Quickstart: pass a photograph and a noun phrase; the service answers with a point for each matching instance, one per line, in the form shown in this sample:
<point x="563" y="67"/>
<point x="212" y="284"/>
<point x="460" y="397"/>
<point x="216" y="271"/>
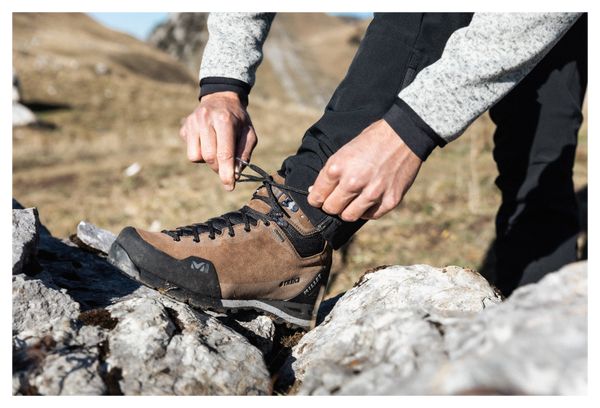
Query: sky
<point x="140" y="25"/>
<point x="137" y="24"/>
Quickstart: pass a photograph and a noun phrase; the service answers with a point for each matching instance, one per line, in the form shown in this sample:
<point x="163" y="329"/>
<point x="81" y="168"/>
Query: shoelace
<point x="245" y="215"/>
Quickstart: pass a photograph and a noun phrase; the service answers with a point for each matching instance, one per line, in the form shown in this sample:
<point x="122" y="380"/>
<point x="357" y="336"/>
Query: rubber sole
<point x="292" y="314"/>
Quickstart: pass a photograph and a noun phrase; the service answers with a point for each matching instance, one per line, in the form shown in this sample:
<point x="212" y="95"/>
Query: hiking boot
<point x="267" y="256"/>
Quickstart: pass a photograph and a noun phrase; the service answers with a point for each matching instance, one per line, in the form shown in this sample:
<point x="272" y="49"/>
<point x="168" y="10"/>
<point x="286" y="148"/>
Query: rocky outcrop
<point x="387" y="328"/>
<point x="80" y="327"/>
<point x="182" y="36"/>
<point x="533" y="343"/>
<point x="423" y="330"/>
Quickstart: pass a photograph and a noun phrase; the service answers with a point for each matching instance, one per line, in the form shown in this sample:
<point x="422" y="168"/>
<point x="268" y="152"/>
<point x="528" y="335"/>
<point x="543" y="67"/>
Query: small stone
<point x="22" y="115"/>
<point x="132" y="170"/>
<point x="101" y="69"/>
<point x="95" y="237"/>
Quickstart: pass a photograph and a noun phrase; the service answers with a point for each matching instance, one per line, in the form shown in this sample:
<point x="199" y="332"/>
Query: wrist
<point x="412" y="130"/>
<point x="212" y="85"/>
<point x="229" y="95"/>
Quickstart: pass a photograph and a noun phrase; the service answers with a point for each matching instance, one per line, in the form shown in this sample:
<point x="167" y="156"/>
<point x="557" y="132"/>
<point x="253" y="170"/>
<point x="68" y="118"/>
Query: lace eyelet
<point x="231" y="235"/>
<point x="196" y="240"/>
<point x="247" y="229"/>
<point x="267" y="223"/>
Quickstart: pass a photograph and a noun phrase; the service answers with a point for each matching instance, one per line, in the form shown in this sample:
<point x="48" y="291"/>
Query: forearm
<point x="480" y="64"/>
<point x="233" y="52"/>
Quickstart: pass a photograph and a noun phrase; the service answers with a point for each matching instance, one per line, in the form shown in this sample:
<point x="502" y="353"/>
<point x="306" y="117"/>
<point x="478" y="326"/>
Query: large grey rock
<point x="387" y="326"/>
<point x="533" y="343"/>
<point x="25" y="225"/>
<point x="80" y="327"/>
<point x="417" y="331"/>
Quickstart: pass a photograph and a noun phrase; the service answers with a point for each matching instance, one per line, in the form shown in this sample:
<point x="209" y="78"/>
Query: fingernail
<point x="310" y="188"/>
<point x="228" y="187"/>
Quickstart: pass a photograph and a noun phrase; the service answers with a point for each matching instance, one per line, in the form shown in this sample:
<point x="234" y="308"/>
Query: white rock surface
<point x="418" y="331"/>
<point x="387" y="326"/>
<point x="533" y="343"/>
<point x="163" y="348"/>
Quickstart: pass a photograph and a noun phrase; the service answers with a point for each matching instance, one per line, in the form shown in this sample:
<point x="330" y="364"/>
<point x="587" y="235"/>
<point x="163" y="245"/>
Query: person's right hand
<point x="218" y="131"/>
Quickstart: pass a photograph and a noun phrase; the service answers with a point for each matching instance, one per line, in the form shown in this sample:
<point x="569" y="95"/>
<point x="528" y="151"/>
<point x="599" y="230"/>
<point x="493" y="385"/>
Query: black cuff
<point x="413" y="131"/>
<point x="211" y="85"/>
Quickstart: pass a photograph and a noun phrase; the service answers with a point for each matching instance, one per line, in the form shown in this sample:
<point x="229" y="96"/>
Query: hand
<point x="366" y="178"/>
<point x="218" y="131"/>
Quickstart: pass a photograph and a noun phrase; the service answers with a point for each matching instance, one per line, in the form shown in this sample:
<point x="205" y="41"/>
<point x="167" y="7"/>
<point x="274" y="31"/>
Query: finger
<point x="192" y="134"/>
<point x="369" y="213"/>
<point x="357" y="208"/>
<point x="208" y="145"/>
<point x="338" y="200"/>
<point x="325" y="183"/>
<point x="244" y="148"/>
<point x="225" y="153"/>
<point x="380" y="209"/>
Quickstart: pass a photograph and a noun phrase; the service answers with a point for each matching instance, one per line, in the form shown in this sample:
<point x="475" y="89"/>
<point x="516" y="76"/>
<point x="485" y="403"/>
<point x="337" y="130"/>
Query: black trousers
<point x="396" y="46"/>
<point x="535" y="140"/>
<point x="541" y="117"/>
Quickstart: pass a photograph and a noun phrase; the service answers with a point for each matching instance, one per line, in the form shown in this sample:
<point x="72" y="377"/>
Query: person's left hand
<point x="367" y="177"/>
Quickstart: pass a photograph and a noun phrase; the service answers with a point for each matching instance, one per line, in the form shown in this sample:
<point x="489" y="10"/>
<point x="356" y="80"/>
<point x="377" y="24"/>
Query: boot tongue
<point x="282" y="197"/>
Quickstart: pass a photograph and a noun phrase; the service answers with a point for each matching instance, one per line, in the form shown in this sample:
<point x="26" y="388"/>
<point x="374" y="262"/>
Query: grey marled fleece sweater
<point x="480" y="64"/>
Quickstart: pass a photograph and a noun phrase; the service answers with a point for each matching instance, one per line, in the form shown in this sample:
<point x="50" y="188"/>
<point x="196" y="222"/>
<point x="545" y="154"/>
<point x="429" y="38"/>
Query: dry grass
<point x="76" y="171"/>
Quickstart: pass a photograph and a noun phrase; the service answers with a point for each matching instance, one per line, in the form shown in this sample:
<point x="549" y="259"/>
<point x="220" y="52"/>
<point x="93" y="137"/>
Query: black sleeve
<point x="211" y="85"/>
<point x="413" y="131"/>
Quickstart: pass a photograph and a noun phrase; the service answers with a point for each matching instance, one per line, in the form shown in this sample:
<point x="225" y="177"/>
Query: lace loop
<point x="246" y="215"/>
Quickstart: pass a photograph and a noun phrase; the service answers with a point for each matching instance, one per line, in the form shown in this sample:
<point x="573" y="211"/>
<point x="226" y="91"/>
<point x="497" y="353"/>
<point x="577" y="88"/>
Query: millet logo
<point x="289" y="282"/>
<point x="199" y="266"/>
<point x="312" y="285"/>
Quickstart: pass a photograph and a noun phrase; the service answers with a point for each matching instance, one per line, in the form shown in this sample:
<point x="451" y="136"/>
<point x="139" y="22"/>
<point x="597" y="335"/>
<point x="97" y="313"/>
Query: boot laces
<point x="246" y="215"/>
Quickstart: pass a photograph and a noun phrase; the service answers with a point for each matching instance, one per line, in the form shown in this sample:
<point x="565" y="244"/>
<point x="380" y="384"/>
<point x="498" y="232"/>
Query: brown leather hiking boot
<point x="266" y="256"/>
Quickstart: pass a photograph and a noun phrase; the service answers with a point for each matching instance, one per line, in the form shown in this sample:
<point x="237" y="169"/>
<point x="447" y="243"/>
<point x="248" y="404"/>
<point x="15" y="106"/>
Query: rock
<point x="165" y="348"/>
<point x="258" y="329"/>
<point x="415" y="331"/>
<point x="70" y="372"/>
<point x="533" y="343"/>
<point x="182" y="36"/>
<point x="80" y="327"/>
<point x="25" y="224"/>
<point x="95" y="237"/>
<point x="132" y="170"/>
<point x="386" y="327"/>
<point x="101" y="68"/>
<point x="39" y="306"/>
<point x="22" y="115"/>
